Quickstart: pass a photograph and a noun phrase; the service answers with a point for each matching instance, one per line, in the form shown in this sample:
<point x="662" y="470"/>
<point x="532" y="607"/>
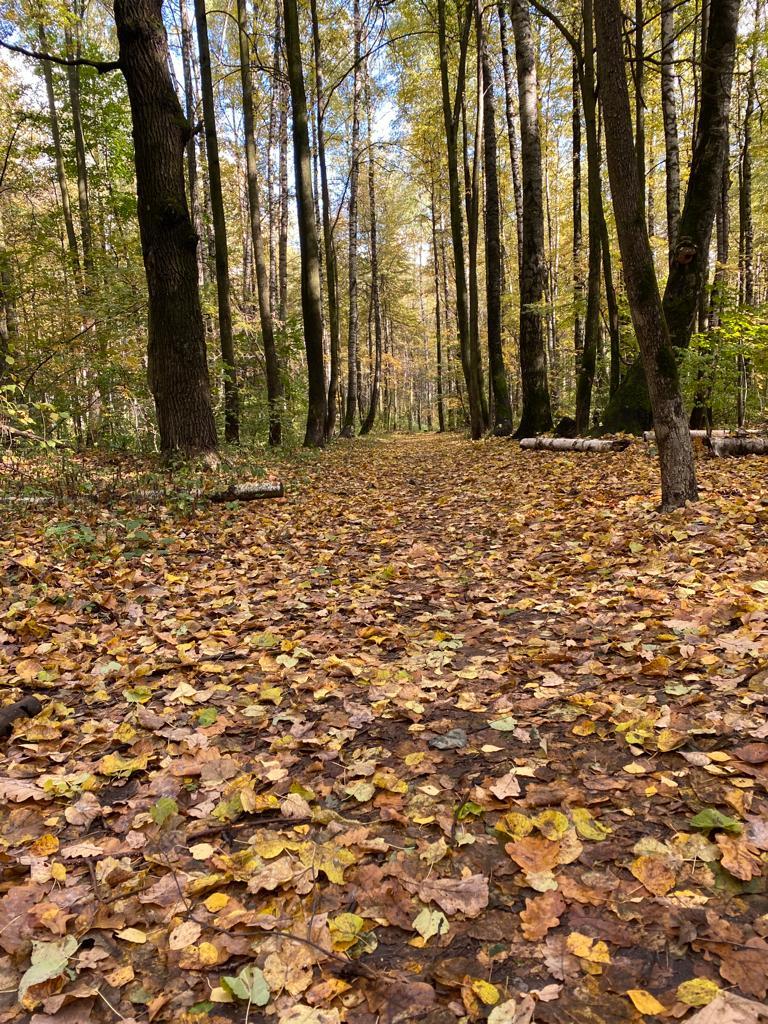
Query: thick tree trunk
<point x="375" y="301"/>
<point x="58" y="158"/>
<point x="178" y="371"/>
<point x="669" y="114"/>
<point x="310" y="254"/>
<point x="329" y="247"/>
<point x="502" y="408"/>
<point x="678" y="479"/>
<point x="630" y="408"/>
<point x="451" y="114"/>
<point x="350" y="413"/>
<point x="537" y="413"/>
<point x="271" y="363"/>
<point x="514" y="155"/>
<point x="226" y="338"/>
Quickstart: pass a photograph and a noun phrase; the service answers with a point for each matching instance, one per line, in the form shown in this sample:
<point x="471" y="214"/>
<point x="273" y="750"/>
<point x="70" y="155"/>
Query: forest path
<point x="438" y="685"/>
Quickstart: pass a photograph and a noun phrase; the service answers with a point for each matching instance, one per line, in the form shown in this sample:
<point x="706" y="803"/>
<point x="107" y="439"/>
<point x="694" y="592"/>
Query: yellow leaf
<point x="345" y="930"/>
<point x="584" y="728"/>
<point x="552" y="824"/>
<point x="216" y="902"/>
<point x="207" y="954"/>
<point x="587" y="827"/>
<point x="516" y="825"/>
<point x="389" y="781"/>
<point x="485" y="992"/>
<point x="45" y="845"/>
<point x="132" y="935"/>
<point x="656" y="873"/>
<point x="697" y="991"/>
<point x="582" y="946"/>
<point x="644" y="1002"/>
<point x="202" y="851"/>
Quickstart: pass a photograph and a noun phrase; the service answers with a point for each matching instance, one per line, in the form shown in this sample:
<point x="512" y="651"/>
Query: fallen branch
<point x="575" y="444"/>
<point x="700" y="435"/>
<point x="734" y="446"/>
<point x="28" y="707"/>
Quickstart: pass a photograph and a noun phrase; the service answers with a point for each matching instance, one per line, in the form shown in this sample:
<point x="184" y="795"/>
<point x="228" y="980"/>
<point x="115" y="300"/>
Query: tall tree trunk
<point x="373" y="406"/>
<point x="177" y="366"/>
<point x="472" y="184"/>
<point x="746" y="157"/>
<point x="9" y="324"/>
<point x="451" y="114"/>
<point x="231" y="394"/>
<point x="348" y="429"/>
<point x="514" y="155"/>
<point x="86" y="233"/>
<point x="597" y="242"/>
<point x="190" y="104"/>
<point x="271" y="363"/>
<point x="669" y="114"/>
<point x="282" y="245"/>
<point x="329" y="247"/>
<point x="502" y="408"/>
<point x="310" y="253"/>
<point x="578" y="269"/>
<point x="537" y="413"/>
<point x="438" y="319"/>
<point x="58" y="158"/>
<point x="678" y="478"/>
<point x="629" y="409"/>
<point x="639" y="68"/>
<point x="272" y="132"/>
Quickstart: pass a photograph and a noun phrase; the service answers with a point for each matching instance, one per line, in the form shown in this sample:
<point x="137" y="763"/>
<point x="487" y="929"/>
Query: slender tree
<point x="226" y="337"/>
<point x="350" y="413"/>
<point x="271" y="363"/>
<point x="310" y="253"/>
<point x="375" y="303"/>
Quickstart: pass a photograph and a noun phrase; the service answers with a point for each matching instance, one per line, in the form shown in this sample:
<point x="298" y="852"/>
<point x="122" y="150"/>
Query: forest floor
<point x="450" y="732"/>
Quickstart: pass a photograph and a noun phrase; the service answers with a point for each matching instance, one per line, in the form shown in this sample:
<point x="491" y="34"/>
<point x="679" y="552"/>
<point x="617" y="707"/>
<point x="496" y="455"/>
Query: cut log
<point x="697" y="435"/>
<point x="725" y="446"/>
<point x="575" y="444"/>
<point x="28" y="707"/>
<point x="252" y="491"/>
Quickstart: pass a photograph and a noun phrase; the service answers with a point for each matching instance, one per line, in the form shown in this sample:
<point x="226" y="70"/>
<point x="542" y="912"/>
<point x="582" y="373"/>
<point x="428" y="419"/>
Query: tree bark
<point x="502" y="408"/>
<point x="177" y="367"/>
<point x="231" y="393"/>
<point x="282" y="242"/>
<point x="190" y="103"/>
<point x="575" y="444"/>
<point x="514" y="155"/>
<point x="537" y="413"/>
<point x="451" y="114"/>
<point x="578" y="270"/>
<point x="630" y="409"/>
<point x="373" y="406"/>
<point x="669" y="115"/>
<point x="348" y="429"/>
<point x="438" y="318"/>
<point x="329" y="247"/>
<point x="58" y="157"/>
<point x="271" y="363"/>
<point x="678" y="479"/>
<point x="308" y="245"/>
<point x="472" y="185"/>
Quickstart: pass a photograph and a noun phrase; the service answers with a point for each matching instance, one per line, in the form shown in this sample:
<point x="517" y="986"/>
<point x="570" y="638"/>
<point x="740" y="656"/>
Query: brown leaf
<point x="540" y="914"/>
<point x="737" y="858"/>
<point x="467" y="896"/>
<point x="534" y="854"/>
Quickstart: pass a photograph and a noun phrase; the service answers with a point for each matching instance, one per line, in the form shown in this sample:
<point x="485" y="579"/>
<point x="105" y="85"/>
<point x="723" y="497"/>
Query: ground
<point x="451" y="732"/>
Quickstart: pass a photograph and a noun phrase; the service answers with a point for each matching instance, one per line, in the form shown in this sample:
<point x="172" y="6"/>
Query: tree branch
<point x="102" y="66"/>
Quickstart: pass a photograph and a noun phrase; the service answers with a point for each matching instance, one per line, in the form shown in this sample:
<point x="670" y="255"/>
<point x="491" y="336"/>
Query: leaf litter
<point x="449" y="733"/>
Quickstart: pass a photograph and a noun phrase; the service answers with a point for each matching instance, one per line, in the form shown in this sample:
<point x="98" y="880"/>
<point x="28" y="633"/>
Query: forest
<point x="383" y="512"/>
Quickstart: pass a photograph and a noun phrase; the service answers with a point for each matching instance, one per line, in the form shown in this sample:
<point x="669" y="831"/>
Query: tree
<point x="271" y="363"/>
<point x="350" y="413"/>
<point x="373" y="404"/>
<point x="678" y="478"/>
<point x="310" y="254"/>
<point x="629" y="408"/>
<point x="502" y="421"/>
<point x="537" y="414"/>
<point x="231" y="391"/>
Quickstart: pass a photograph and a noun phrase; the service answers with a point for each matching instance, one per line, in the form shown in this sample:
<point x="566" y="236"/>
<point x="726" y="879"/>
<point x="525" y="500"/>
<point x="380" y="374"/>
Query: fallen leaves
<point x="388" y="749"/>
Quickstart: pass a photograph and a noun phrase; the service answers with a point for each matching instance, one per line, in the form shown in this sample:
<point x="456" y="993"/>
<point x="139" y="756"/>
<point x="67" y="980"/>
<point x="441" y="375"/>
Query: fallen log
<point x="696" y="435"/>
<point x="254" y="490"/>
<point x="28" y="707"/>
<point x="734" y="446"/>
<point x="573" y="444"/>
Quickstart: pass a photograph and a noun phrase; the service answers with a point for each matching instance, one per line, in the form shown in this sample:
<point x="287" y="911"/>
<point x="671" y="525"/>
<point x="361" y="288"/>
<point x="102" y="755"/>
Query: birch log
<point x="723" y="446"/>
<point x="575" y="444"/>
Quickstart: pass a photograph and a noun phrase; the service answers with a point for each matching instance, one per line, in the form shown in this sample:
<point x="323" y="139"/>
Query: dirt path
<point x="448" y="711"/>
